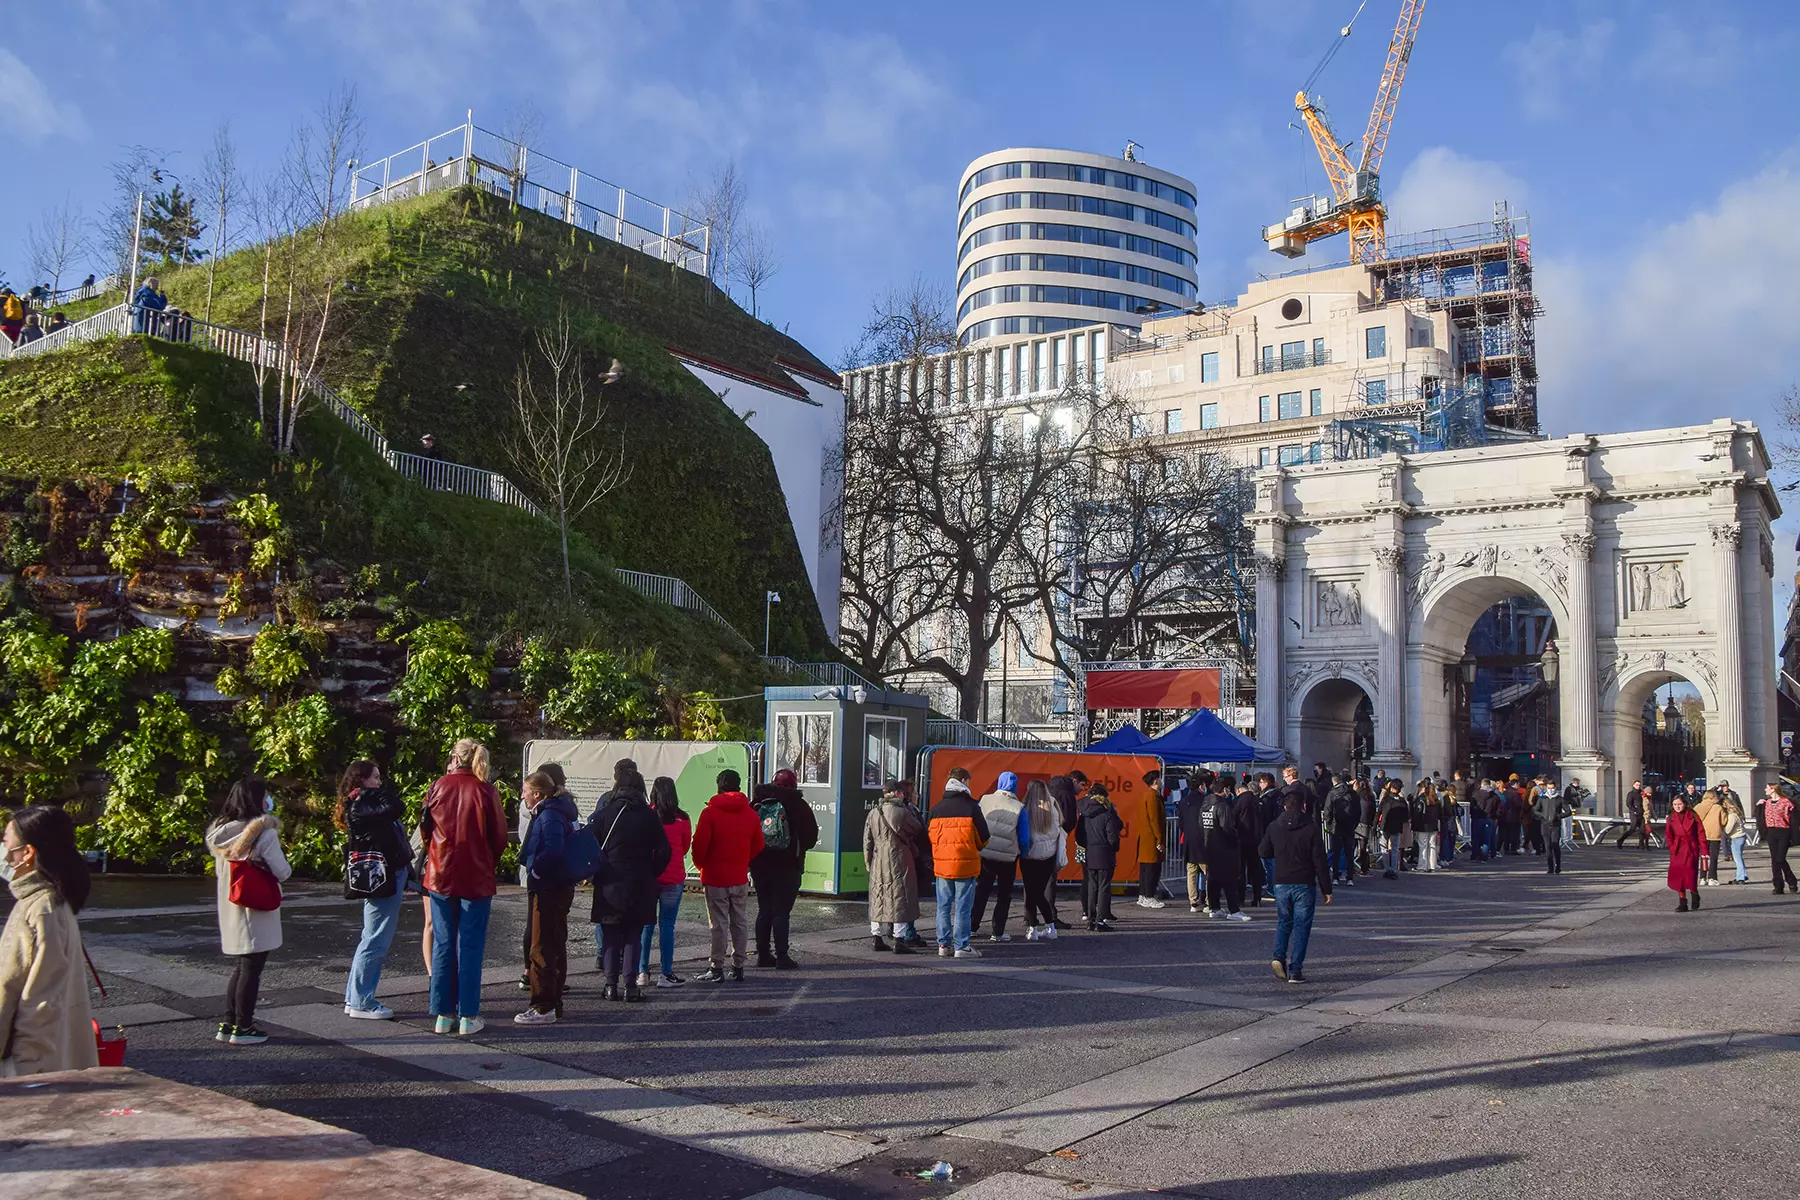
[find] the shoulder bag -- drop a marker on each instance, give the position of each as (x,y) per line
(253,886)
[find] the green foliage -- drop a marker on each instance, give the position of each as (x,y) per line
(541,669)
(171,232)
(161,774)
(271,541)
(20,550)
(57,712)
(440,694)
(283,655)
(154,524)
(310,838)
(291,740)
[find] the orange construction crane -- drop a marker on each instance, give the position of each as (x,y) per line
(1355,200)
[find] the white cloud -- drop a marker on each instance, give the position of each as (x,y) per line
(32,114)
(1681,56)
(1695,322)
(1548,61)
(1440,188)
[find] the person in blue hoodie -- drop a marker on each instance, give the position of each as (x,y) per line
(549,893)
(147,305)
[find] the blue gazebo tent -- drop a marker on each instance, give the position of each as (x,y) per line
(1201,738)
(1122,741)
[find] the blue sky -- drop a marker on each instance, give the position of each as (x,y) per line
(1651,143)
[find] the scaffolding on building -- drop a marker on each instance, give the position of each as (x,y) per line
(1481,275)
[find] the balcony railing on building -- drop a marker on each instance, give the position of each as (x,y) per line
(1298,360)
(469,154)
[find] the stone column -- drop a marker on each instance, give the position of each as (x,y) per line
(1578,670)
(1388,611)
(1729,579)
(1271,571)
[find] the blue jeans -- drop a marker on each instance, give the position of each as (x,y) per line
(380,919)
(669,906)
(1737,857)
(1293,923)
(955,910)
(458,942)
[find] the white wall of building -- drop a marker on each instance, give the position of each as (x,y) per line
(801,435)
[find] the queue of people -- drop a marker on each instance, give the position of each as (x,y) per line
(22,320)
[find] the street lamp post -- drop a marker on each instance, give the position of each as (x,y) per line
(770,599)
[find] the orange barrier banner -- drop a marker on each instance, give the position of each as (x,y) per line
(1123,775)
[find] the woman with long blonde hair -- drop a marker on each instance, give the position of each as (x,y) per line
(464,831)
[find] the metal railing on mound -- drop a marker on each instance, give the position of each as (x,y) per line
(676,593)
(469,154)
(827,674)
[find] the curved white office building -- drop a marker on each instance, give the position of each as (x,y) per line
(1048,240)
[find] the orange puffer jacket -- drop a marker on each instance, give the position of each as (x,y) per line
(957,831)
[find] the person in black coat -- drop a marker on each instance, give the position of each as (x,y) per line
(1247,812)
(1066,791)
(633,852)
(1343,813)
(776,870)
(1192,833)
(376,860)
(1098,832)
(1292,843)
(1223,854)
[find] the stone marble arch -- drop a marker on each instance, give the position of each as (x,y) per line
(1433,540)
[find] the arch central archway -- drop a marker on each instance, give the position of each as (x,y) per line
(1336,718)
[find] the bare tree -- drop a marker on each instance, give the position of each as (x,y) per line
(56,242)
(957,502)
(1787,415)
(522,129)
(557,443)
(1158,536)
(133,173)
(757,262)
(319,156)
(299,287)
(719,203)
(222,189)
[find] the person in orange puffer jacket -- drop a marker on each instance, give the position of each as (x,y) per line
(957,832)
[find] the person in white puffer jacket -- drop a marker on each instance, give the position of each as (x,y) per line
(1007,833)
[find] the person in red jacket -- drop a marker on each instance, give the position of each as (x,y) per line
(728,837)
(1777,819)
(1687,846)
(672,881)
(464,831)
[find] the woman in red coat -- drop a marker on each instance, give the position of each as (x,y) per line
(1687,843)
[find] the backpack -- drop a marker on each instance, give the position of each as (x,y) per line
(776,835)
(15,308)
(581,855)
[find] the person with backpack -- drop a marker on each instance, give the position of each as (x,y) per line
(12,314)
(673,881)
(1224,853)
(891,833)
(250,868)
(1008,830)
(549,894)
(1100,831)
(1044,851)
(957,832)
(1300,874)
(376,860)
(633,850)
(1191,832)
(789,830)
(45,1022)
(728,836)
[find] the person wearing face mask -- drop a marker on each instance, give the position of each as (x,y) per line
(45,1024)
(246,832)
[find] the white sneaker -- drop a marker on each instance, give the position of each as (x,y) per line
(999,937)
(470,1025)
(1032,934)
(971,952)
(944,952)
(669,981)
(1151,902)
(643,979)
(532,1016)
(1049,934)
(1237,916)
(380,1012)
(1212,913)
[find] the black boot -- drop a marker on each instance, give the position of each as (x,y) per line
(611,990)
(881,943)
(764,958)
(903,948)
(1696,898)
(632,994)
(1682,907)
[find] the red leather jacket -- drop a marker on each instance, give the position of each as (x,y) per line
(468,832)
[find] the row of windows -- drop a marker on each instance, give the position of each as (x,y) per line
(1288,406)
(1289,456)
(1112,239)
(1003,326)
(1077,265)
(1077,174)
(1068,202)
(1057,294)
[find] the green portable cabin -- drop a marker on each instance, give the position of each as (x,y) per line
(844,745)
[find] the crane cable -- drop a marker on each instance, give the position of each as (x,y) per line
(1336,45)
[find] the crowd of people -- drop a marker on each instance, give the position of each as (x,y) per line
(22,320)
(1294,840)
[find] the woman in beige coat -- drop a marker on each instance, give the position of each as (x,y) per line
(45,1023)
(891,833)
(246,831)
